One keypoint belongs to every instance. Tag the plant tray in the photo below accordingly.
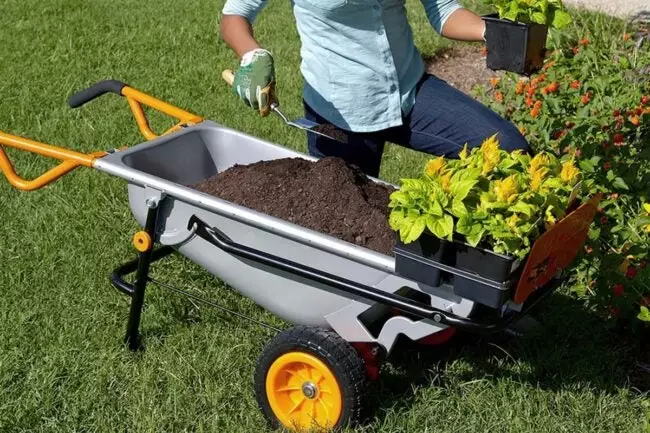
(475, 273)
(514, 46)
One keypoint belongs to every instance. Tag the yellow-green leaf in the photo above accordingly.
(458, 208)
(461, 189)
(644, 314)
(416, 230)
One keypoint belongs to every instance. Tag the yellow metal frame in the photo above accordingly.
(71, 159)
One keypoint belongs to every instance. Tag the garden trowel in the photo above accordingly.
(325, 130)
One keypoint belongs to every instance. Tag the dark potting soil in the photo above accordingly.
(327, 196)
(332, 132)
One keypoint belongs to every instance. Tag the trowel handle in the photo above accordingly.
(228, 76)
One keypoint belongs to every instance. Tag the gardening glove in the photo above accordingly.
(254, 81)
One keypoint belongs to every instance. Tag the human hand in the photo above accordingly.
(254, 81)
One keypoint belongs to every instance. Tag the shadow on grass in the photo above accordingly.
(571, 349)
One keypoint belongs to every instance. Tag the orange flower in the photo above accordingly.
(498, 96)
(586, 98)
(535, 81)
(575, 84)
(549, 65)
(626, 36)
(538, 104)
(534, 112)
(576, 50)
(634, 120)
(530, 90)
(551, 88)
(529, 102)
(584, 42)
(520, 87)
(494, 81)
(523, 130)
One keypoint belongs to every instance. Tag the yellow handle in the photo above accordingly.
(136, 99)
(71, 160)
(229, 77)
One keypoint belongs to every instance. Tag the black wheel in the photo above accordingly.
(310, 378)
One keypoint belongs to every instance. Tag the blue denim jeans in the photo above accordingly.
(442, 121)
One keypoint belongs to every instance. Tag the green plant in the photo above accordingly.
(491, 197)
(547, 12)
(591, 102)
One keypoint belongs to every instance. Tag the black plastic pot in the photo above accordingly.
(426, 247)
(514, 46)
(475, 273)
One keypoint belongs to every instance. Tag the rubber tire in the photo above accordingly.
(344, 362)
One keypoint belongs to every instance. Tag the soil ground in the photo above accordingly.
(463, 67)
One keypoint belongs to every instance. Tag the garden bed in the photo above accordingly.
(463, 67)
(328, 196)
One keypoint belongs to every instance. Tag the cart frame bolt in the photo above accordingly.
(310, 390)
(151, 202)
(437, 318)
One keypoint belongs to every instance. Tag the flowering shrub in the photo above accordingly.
(489, 196)
(591, 102)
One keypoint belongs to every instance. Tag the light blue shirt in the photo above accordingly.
(359, 60)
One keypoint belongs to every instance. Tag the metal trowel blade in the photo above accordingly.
(323, 129)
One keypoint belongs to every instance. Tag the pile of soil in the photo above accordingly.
(328, 196)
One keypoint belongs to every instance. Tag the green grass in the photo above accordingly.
(62, 366)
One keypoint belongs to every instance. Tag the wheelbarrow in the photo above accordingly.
(347, 304)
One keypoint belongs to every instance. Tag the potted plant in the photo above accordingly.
(516, 34)
(479, 214)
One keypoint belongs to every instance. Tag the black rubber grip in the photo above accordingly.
(94, 91)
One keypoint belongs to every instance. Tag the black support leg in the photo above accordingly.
(142, 275)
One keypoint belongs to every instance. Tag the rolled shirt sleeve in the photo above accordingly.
(439, 10)
(248, 9)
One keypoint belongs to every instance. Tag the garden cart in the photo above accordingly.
(348, 304)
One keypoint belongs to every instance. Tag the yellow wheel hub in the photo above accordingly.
(303, 392)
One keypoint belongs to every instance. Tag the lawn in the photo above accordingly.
(62, 366)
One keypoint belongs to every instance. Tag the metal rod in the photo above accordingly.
(117, 277)
(137, 298)
(212, 304)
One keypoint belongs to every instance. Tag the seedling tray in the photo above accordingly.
(514, 46)
(475, 273)
(461, 255)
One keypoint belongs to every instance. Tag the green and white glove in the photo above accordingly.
(254, 81)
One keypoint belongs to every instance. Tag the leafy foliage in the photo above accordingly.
(547, 12)
(491, 197)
